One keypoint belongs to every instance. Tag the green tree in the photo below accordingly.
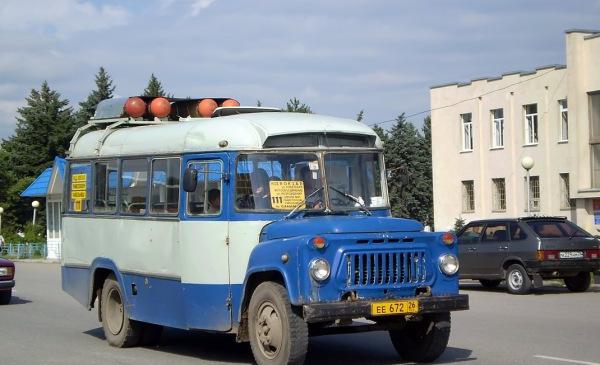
(6, 176)
(43, 131)
(154, 88)
(296, 106)
(104, 90)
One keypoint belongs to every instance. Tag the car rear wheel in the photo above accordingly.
(119, 329)
(423, 341)
(517, 280)
(5, 296)
(579, 283)
(278, 333)
(490, 283)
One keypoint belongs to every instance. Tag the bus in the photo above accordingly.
(201, 214)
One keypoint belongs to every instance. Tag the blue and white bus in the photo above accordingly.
(268, 225)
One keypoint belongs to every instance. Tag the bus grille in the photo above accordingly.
(385, 268)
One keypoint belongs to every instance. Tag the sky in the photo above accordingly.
(338, 56)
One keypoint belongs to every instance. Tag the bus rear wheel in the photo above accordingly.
(423, 341)
(119, 329)
(278, 333)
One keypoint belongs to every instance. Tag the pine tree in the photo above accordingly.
(104, 90)
(154, 88)
(296, 106)
(44, 129)
(6, 176)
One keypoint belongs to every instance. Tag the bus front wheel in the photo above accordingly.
(119, 330)
(278, 333)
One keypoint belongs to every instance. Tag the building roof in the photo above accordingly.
(39, 188)
(242, 132)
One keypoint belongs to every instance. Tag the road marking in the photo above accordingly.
(566, 360)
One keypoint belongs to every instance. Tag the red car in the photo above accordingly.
(7, 280)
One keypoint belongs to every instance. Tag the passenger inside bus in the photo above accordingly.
(214, 201)
(260, 189)
(311, 183)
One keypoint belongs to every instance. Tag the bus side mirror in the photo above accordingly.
(190, 180)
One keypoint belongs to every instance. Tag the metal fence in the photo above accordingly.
(24, 250)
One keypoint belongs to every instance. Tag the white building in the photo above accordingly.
(482, 129)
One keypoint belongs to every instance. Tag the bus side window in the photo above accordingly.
(206, 200)
(105, 187)
(80, 182)
(164, 194)
(134, 183)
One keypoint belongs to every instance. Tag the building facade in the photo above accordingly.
(482, 129)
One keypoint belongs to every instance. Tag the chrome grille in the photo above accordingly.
(369, 269)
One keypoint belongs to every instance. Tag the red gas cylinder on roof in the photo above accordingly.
(160, 107)
(206, 107)
(230, 102)
(135, 107)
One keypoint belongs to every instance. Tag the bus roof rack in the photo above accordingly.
(234, 110)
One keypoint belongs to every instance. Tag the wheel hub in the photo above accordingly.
(269, 330)
(516, 279)
(114, 312)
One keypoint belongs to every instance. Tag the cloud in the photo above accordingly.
(199, 5)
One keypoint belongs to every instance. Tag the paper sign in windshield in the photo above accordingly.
(78, 191)
(286, 195)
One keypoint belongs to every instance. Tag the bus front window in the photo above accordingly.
(356, 174)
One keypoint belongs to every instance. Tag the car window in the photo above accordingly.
(556, 229)
(495, 232)
(516, 232)
(471, 234)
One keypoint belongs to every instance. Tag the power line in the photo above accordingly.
(461, 101)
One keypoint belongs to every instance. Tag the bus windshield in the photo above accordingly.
(285, 181)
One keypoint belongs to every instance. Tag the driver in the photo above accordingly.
(310, 185)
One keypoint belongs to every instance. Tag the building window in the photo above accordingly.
(531, 124)
(594, 102)
(498, 195)
(563, 116)
(534, 193)
(497, 128)
(468, 196)
(565, 200)
(467, 131)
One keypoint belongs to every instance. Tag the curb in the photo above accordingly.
(36, 261)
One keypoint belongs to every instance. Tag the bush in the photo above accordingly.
(459, 223)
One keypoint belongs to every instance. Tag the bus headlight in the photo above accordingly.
(319, 269)
(449, 264)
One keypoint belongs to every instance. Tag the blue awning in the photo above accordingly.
(39, 186)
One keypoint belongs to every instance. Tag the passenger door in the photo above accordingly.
(468, 244)
(204, 239)
(493, 249)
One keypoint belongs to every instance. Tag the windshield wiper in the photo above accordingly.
(303, 202)
(354, 199)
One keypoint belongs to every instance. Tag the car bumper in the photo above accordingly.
(7, 284)
(321, 312)
(570, 266)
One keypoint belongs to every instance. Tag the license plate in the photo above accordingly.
(571, 254)
(394, 307)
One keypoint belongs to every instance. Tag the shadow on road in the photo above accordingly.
(547, 289)
(17, 300)
(366, 348)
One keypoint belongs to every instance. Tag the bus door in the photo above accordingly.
(204, 239)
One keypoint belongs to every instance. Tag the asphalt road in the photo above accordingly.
(43, 325)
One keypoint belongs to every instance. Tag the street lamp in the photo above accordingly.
(35, 204)
(1, 212)
(528, 163)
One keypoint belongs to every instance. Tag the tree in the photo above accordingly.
(360, 116)
(44, 129)
(6, 176)
(104, 90)
(154, 88)
(296, 106)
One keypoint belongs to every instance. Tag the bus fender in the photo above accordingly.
(100, 268)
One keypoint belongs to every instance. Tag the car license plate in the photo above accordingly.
(394, 307)
(571, 254)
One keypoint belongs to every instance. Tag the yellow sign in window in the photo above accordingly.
(79, 178)
(77, 205)
(78, 185)
(286, 195)
(78, 195)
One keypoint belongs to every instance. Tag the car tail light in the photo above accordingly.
(592, 254)
(548, 255)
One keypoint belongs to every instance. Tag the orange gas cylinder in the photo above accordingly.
(135, 107)
(231, 102)
(160, 107)
(206, 107)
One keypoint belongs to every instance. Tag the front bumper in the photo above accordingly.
(321, 312)
(7, 284)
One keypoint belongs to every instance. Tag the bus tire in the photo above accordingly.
(119, 329)
(423, 341)
(278, 333)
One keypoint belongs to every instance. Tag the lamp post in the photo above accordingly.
(35, 204)
(528, 163)
(1, 212)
